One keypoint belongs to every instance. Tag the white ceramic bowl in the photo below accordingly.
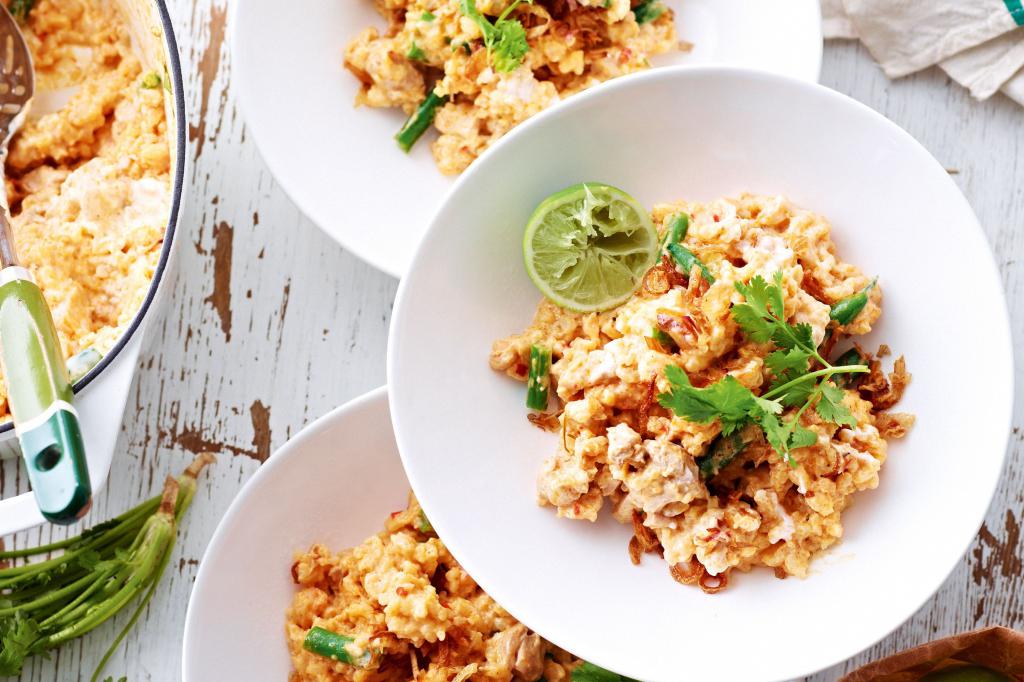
(334, 483)
(340, 164)
(700, 133)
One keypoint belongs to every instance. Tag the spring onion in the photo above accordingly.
(686, 260)
(334, 646)
(539, 380)
(419, 121)
(678, 226)
(846, 310)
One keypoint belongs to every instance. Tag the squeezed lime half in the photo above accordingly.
(587, 247)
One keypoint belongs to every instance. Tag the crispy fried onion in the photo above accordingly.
(644, 540)
(662, 277)
(643, 413)
(681, 327)
(881, 390)
(692, 572)
(546, 421)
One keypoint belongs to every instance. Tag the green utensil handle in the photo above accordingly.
(40, 399)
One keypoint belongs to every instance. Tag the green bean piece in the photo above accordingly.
(686, 260)
(419, 121)
(664, 340)
(723, 450)
(846, 310)
(850, 357)
(539, 380)
(333, 646)
(678, 226)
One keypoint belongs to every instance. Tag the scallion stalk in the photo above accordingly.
(539, 380)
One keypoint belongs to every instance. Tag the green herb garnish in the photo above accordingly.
(46, 603)
(415, 53)
(648, 11)
(428, 16)
(762, 319)
(151, 81)
(20, 9)
(505, 39)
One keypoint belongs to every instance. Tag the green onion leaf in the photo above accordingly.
(686, 260)
(333, 646)
(846, 310)
(648, 10)
(420, 120)
(539, 380)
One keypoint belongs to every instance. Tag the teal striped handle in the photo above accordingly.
(40, 399)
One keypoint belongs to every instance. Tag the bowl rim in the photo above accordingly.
(285, 183)
(177, 189)
(288, 453)
(1001, 331)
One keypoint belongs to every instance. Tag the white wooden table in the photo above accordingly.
(269, 324)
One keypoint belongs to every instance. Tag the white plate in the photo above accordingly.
(334, 483)
(473, 459)
(340, 164)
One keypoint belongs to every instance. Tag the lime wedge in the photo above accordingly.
(587, 247)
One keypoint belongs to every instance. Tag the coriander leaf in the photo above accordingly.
(758, 295)
(802, 334)
(505, 39)
(802, 437)
(831, 407)
(794, 395)
(588, 672)
(17, 636)
(509, 47)
(428, 16)
(768, 406)
(752, 323)
(775, 433)
(792, 360)
(727, 400)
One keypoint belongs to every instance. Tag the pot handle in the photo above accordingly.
(40, 399)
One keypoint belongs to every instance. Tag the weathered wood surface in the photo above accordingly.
(269, 324)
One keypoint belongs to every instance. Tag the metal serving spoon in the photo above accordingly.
(39, 393)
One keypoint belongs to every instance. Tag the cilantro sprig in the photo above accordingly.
(762, 319)
(505, 39)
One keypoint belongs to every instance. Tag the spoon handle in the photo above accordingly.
(40, 399)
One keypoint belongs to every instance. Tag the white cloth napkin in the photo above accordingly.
(979, 43)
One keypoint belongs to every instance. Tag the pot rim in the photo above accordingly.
(181, 127)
